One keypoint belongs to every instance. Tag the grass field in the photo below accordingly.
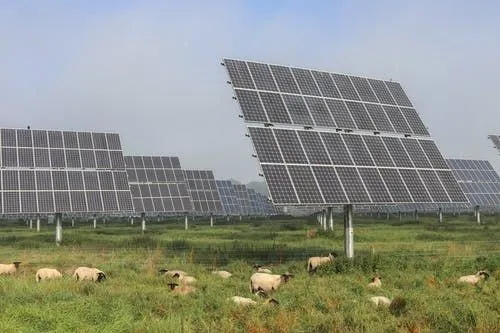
(419, 262)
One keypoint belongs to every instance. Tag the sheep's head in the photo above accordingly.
(285, 277)
(257, 266)
(333, 255)
(101, 277)
(16, 263)
(172, 285)
(483, 275)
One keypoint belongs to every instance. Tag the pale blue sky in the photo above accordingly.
(150, 69)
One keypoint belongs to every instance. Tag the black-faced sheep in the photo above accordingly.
(260, 269)
(7, 269)
(87, 273)
(172, 272)
(267, 282)
(314, 262)
(47, 274)
(185, 279)
(376, 282)
(474, 279)
(222, 274)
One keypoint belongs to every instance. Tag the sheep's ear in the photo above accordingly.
(163, 270)
(334, 254)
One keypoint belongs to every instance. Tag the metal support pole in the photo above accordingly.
(400, 216)
(440, 213)
(186, 222)
(348, 232)
(211, 220)
(478, 214)
(31, 223)
(227, 218)
(330, 217)
(72, 222)
(415, 215)
(388, 215)
(323, 216)
(131, 220)
(58, 229)
(240, 217)
(143, 224)
(38, 223)
(95, 222)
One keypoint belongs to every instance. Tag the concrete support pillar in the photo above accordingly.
(131, 220)
(143, 223)
(415, 215)
(477, 212)
(330, 218)
(31, 223)
(95, 222)
(440, 215)
(38, 223)
(186, 222)
(348, 232)
(211, 220)
(72, 222)
(400, 216)
(58, 228)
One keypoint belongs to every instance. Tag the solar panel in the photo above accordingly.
(325, 138)
(157, 184)
(48, 172)
(478, 180)
(203, 190)
(243, 199)
(496, 141)
(228, 197)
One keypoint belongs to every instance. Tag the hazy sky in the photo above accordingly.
(151, 71)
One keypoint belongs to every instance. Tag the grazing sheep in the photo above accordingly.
(182, 289)
(7, 269)
(314, 262)
(172, 272)
(87, 273)
(185, 279)
(222, 274)
(376, 282)
(248, 301)
(47, 274)
(381, 300)
(267, 282)
(261, 269)
(474, 279)
(311, 233)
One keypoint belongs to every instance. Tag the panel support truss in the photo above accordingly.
(348, 232)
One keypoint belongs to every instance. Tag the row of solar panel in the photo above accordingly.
(266, 107)
(155, 175)
(237, 199)
(480, 188)
(61, 158)
(152, 162)
(296, 184)
(158, 190)
(251, 75)
(484, 199)
(30, 202)
(326, 148)
(228, 197)
(162, 205)
(60, 180)
(489, 176)
(59, 139)
(461, 164)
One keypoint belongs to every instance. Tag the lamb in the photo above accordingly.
(261, 269)
(248, 301)
(171, 273)
(376, 282)
(222, 274)
(381, 300)
(267, 282)
(47, 274)
(185, 279)
(7, 269)
(86, 273)
(314, 262)
(182, 289)
(474, 279)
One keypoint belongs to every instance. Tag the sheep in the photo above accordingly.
(171, 273)
(267, 282)
(261, 269)
(248, 301)
(86, 273)
(381, 300)
(314, 262)
(474, 279)
(7, 269)
(376, 282)
(185, 279)
(47, 274)
(182, 289)
(311, 233)
(222, 274)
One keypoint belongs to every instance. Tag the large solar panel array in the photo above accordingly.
(259, 204)
(62, 172)
(324, 138)
(203, 190)
(228, 197)
(479, 181)
(157, 184)
(496, 141)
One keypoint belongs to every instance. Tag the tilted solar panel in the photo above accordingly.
(203, 191)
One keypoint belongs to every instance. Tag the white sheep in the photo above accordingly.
(47, 274)
(248, 301)
(260, 269)
(267, 282)
(474, 279)
(185, 279)
(87, 273)
(7, 269)
(381, 300)
(314, 262)
(182, 289)
(222, 274)
(172, 272)
(376, 282)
